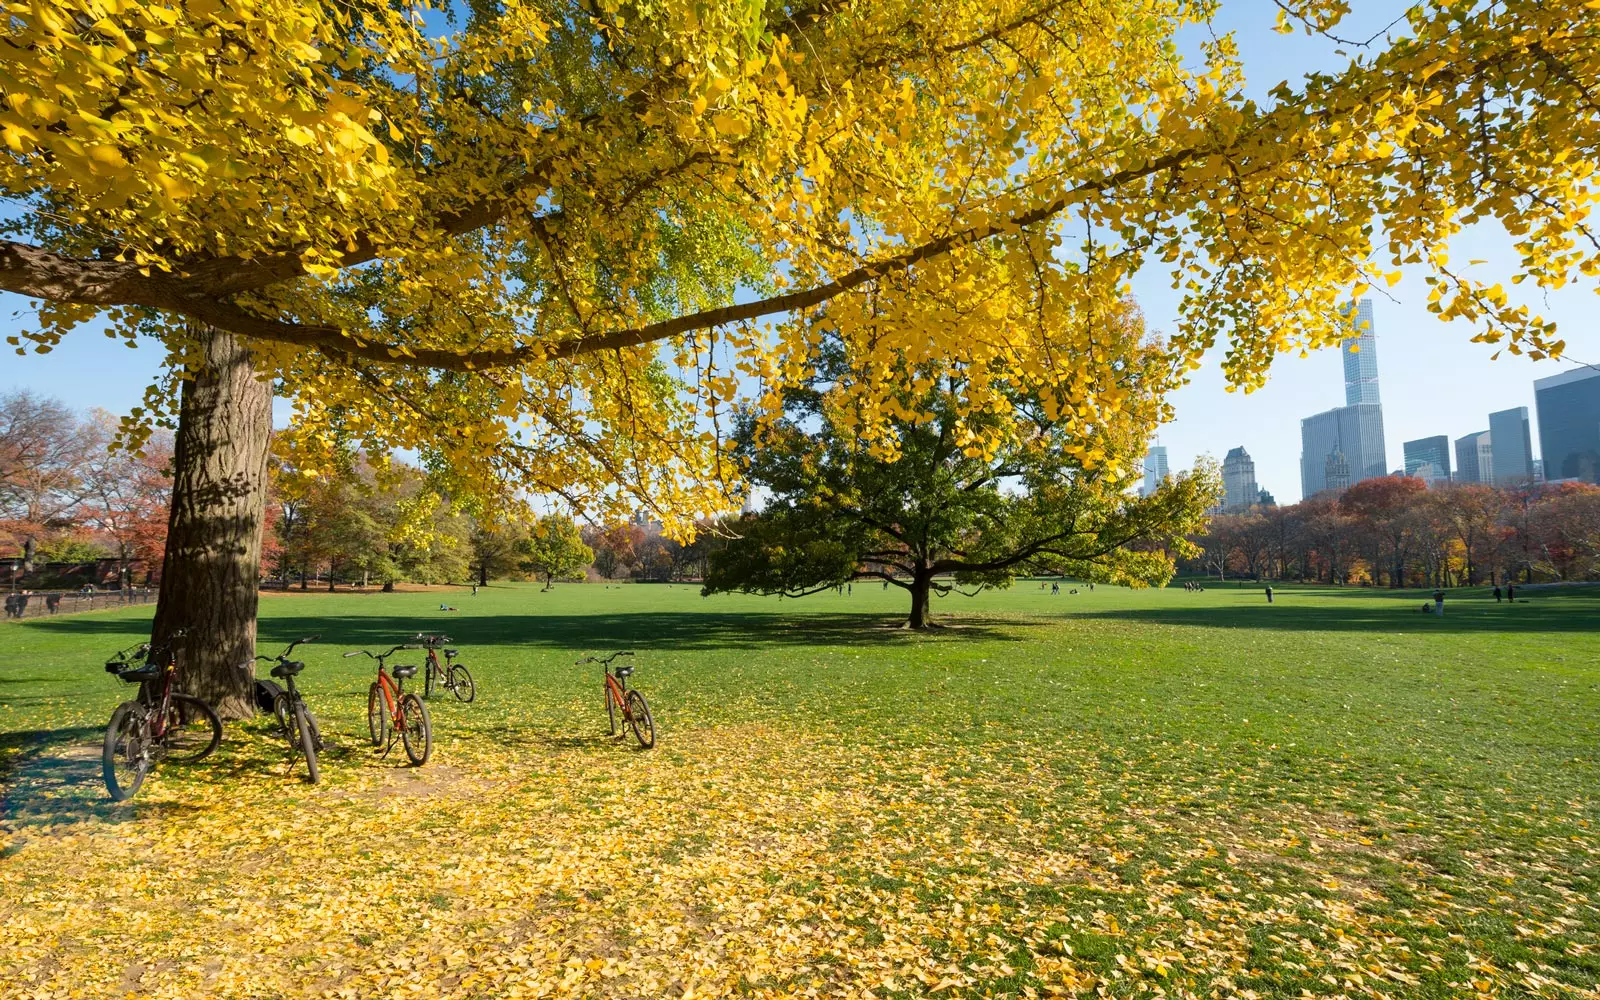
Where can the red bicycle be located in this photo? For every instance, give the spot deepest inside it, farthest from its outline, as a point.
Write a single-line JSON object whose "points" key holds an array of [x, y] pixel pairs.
{"points": [[635, 710], [155, 727], [392, 712], [452, 676]]}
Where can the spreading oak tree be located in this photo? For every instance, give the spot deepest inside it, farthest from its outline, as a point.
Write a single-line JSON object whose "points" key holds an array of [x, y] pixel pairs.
{"points": [[540, 248], [950, 499]]}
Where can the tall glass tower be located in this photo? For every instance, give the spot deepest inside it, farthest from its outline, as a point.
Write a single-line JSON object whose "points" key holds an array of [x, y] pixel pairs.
{"points": [[1361, 357]]}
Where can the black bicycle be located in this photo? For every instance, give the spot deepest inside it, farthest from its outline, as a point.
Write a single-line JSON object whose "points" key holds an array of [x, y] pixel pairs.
{"points": [[450, 675], [161, 724], [295, 721]]}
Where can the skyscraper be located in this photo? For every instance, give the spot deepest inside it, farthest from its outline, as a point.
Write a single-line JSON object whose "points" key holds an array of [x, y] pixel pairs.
{"points": [[1155, 469], [1355, 433], [1470, 467], [1361, 357], [1239, 480], [1569, 424], [1429, 458], [1513, 446]]}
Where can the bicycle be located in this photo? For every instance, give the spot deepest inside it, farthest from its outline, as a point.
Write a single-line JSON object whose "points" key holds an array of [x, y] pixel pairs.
{"points": [[635, 710], [295, 721], [388, 705], [453, 677], [154, 727]]}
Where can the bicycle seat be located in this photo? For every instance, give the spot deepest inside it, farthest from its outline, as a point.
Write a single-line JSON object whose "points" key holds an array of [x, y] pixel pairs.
{"points": [[401, 673], [139, 675], [451, 654], [288, 669], [623, 671]]}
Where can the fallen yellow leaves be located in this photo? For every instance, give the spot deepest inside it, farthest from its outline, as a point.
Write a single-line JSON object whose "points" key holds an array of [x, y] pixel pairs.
{"points": [[736, 861]]}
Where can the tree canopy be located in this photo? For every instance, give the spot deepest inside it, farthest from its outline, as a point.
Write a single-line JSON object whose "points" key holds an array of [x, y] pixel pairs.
{"points": [[477, 243], [944, 498], [553, 548]]}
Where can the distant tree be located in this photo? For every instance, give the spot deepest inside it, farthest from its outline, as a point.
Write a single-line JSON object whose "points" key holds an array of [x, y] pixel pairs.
{"points": [[44, 451], [1381, 510], [616, 548], [493, 548], [1566, 523], [126, 497], [1472, 510], [943, 512], [1330, 533], [553, 548]]}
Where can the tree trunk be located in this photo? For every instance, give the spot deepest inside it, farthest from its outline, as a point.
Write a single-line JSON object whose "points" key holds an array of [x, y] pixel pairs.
{"points": [[921, 588], [209, 575], [483, 573]]}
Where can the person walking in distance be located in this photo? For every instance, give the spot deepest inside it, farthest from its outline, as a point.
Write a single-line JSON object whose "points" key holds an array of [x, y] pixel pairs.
{"points": [[1497, 593], [1438, 603], [1269, 593]]}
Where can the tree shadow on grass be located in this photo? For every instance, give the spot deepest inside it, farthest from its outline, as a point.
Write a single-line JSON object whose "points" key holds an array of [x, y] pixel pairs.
{"points": [[1400, 613], [610, 630], [50, 776]]}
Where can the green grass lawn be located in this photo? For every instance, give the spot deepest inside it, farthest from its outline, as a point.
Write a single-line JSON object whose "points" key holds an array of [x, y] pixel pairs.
{"points": [[1130, 792]]}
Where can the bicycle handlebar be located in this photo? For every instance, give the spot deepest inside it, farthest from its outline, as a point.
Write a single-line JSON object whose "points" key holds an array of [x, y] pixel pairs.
{"points": [[380, 657], [606, 659], [288, 649]]}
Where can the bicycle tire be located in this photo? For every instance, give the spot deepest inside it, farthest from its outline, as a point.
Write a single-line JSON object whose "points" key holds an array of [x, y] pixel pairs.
{"points": [[611, 710], [416, 729], [193, 730], [640, 720], [457, 683], [377, 714], [308, 739], [285, 715], [127, 740]]}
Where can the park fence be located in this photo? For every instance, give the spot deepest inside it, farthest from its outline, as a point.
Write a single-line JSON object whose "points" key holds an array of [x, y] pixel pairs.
{"points": [[44, 603]]}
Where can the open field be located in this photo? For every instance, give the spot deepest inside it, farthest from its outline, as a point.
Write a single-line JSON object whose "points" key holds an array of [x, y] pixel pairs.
{"points": [[1131, 792]]}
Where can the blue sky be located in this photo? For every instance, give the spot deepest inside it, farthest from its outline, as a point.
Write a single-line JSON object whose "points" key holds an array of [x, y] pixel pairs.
{"points": [[1432, 378]]}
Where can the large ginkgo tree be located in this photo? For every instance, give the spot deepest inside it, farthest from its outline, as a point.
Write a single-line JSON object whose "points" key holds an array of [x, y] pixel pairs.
{"points": [[547, 242]]}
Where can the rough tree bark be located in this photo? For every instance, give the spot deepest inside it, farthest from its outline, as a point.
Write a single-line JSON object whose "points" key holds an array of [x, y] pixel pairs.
{"points": [[219, 490]]}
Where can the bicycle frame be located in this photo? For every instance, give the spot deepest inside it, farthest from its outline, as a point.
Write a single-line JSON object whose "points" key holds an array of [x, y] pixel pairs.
{"points": [[617, 689], [391, 697], [159, 706], [390, 687]]}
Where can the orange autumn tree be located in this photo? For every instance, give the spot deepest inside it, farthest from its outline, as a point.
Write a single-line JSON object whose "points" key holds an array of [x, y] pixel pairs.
{"points": [[538, 247]]}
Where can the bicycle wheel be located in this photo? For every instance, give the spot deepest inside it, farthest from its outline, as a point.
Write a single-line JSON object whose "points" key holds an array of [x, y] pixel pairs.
{"points": [[126, 758], [306, 739], [193, 730], [283, 711], [611, 710], [644, 727], [415, 730], [377, 714], [460, 681]]}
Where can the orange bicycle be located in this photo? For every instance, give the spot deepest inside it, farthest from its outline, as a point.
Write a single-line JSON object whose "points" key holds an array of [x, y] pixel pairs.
{"points": [[392, 712], [450, 675], [635, 710]]}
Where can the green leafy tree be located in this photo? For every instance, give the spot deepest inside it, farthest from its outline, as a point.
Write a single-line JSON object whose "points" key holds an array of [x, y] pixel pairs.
{"points": [[554, 549], [940, 514]]}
